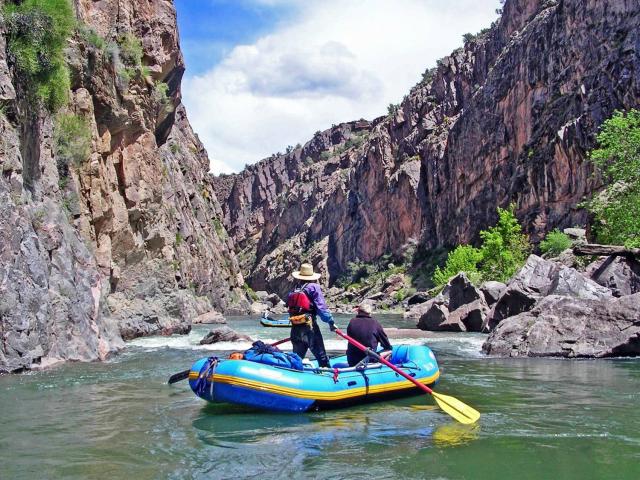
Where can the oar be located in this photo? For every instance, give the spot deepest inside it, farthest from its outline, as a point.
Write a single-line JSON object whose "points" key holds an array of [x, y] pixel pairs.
{"points": [[177, 377], [454, 407]]}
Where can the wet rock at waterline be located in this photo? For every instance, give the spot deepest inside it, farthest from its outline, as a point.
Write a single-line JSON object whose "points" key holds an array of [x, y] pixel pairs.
{"points": [[223, 334], [571, 327], [52, 302]]}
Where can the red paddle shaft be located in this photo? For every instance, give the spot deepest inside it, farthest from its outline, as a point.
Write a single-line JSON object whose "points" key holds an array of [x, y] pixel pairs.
{"points": [[284, 340], [370, 352]]}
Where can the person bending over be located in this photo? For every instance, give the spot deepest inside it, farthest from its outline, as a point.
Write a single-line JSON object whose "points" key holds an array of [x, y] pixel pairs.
{"points": [[368, 331]]}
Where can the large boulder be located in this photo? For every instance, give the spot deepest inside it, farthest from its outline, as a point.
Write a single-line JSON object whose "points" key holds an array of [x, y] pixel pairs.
{"points": [[460, 291], [416, 311], [564, 326], [492, 291], [223, 334], [460, 307], [537, 279], [210, 317], [619, 274], [437, 319], [418, 297], [257, 308]]}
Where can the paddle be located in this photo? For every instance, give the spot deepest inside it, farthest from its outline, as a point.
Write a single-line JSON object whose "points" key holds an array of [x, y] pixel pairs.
{"points": [[454, 407], [177, 377]]}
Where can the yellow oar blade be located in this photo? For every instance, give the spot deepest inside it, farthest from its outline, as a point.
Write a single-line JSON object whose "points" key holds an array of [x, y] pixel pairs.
{"points": [[458, 410]]}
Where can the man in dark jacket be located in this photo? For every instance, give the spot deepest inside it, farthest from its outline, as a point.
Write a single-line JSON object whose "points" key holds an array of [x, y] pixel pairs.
{"points": [[366, 330], [306, 303]]}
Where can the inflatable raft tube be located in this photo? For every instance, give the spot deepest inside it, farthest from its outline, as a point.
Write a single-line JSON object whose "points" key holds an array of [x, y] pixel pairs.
{"points": [[281, 389]]}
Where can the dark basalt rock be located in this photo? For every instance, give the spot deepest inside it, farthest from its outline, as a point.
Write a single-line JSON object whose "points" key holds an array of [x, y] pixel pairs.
{"points": [[563, 326], [537, 279], [460, 307], [619, 274], [223, 334]]}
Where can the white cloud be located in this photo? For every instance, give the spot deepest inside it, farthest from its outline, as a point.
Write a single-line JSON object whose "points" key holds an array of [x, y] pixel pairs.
{"points": [[341, 60]]}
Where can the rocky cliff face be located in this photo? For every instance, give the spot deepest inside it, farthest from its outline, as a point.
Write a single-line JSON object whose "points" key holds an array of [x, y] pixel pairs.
{"points": [[127, 241], [507, 118]]}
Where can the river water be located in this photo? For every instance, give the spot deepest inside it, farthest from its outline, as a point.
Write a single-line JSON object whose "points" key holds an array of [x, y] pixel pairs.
{"points": [[541, 418]]}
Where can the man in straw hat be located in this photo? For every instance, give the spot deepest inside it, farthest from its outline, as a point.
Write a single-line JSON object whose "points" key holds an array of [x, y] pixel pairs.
{"points": [[305, 303], [366, 330]]}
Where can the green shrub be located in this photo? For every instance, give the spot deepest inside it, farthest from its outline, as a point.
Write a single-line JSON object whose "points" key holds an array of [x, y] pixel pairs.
{"points": [[72, 137], [250, 292], [179, 239], [220, 230], [92, 38], [130, 50], [555, 242], [464, 258], [504, 247], [160, 97], [615, 210], [38, 32]]}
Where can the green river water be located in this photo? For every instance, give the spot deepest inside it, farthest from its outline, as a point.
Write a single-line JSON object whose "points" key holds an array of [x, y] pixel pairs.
{"points": [[541, 418]]}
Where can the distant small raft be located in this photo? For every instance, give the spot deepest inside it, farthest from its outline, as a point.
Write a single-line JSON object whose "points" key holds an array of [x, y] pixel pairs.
{"points": [[270, 322], [284, 390]]}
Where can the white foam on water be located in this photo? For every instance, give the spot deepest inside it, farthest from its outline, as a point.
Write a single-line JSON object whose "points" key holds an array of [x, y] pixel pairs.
{"points": [[454, 343]]}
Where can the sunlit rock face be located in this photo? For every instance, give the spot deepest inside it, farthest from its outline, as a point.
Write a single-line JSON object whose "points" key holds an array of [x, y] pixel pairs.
{"points": [[508, 118], [128, 241]]}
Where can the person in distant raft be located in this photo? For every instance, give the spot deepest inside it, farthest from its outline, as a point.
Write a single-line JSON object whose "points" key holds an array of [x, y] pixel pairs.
{"points": [[305, 303], [368, 331]]}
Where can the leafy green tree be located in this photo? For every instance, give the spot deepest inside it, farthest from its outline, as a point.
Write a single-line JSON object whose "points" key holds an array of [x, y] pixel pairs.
{"points": [[504, 247], [555, 242], [617, 209], [464, 258]]}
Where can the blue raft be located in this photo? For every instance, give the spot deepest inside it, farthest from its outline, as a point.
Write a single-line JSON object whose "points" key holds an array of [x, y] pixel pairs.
{"points": [[281, 389], [270, 322]]}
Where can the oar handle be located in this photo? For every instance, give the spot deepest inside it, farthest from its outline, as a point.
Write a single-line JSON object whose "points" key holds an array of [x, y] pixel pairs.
{"points": [[382, 360]]}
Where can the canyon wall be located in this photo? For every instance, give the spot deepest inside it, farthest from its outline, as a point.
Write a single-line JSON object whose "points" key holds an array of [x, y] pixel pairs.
{"points": [[127, 241], [508, 118]]}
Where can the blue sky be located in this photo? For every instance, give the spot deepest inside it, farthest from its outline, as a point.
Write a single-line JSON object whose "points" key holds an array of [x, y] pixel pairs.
{"points": [[210, 29], [264, 74]]}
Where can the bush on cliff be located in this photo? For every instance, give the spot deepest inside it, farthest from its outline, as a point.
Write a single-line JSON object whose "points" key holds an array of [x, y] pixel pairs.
{"points": [[615, 210], [38, 31], [72, 137], [554, 243]]}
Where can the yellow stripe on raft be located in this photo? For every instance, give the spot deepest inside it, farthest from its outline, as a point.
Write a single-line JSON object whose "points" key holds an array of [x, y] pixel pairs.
{"points": [[316, 395]]}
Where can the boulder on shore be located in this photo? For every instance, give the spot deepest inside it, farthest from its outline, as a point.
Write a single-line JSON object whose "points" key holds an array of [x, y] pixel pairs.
{"points": [[209, 317], [223, 334], [562, 326], [460, 307], [619, 274], [537, 279]]}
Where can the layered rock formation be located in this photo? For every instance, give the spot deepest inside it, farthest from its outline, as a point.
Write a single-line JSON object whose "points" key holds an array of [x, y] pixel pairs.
{"points": [[507, 118], [127, 241]]}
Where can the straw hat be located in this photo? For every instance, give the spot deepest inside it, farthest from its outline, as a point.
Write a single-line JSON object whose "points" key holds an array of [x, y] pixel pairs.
{"points": [[306, 273], [365, 307]]}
